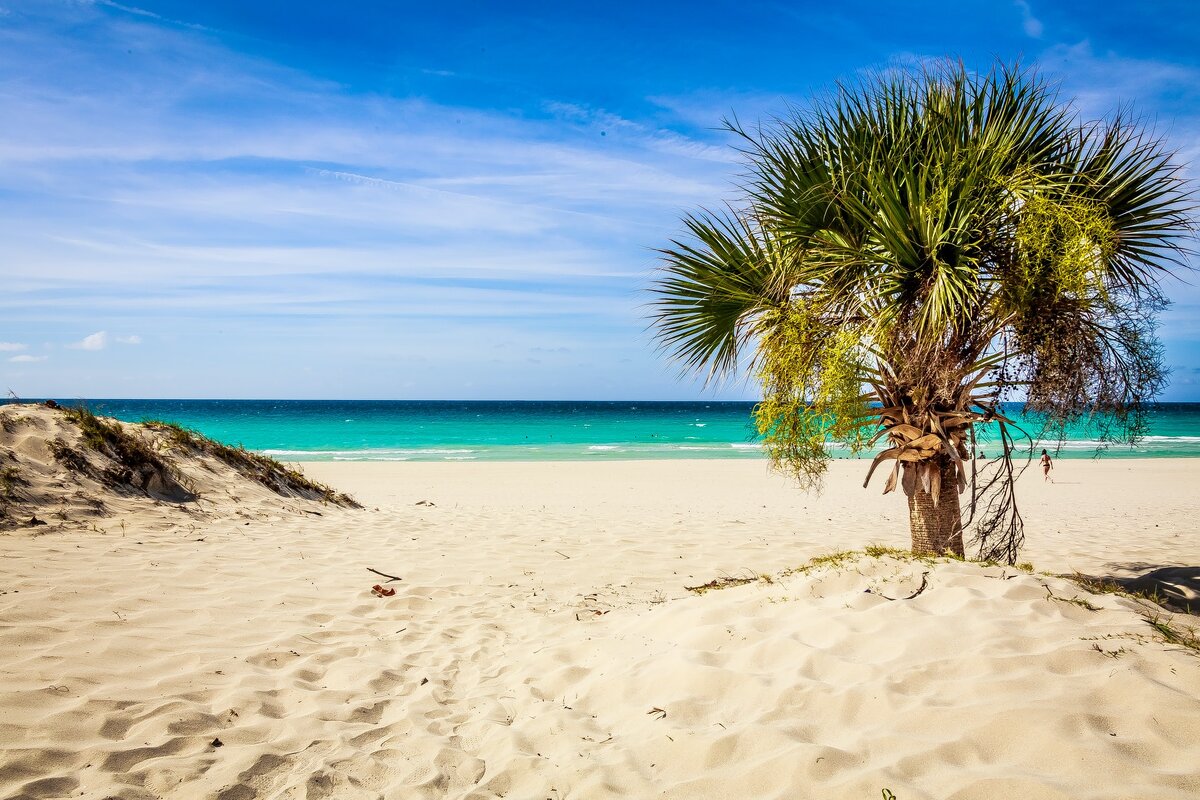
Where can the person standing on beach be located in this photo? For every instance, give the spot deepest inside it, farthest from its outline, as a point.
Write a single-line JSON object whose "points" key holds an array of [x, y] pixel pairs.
{"points": [[1047, 465]]}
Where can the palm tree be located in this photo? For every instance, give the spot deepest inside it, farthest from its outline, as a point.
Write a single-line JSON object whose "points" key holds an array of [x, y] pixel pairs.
{"points": [[915, 249]]}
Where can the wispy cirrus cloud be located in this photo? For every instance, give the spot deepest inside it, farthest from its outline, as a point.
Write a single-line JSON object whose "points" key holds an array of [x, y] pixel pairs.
{"points": [[225, 193], [1101, 81], [27, 359], [606, 123], [185, 181], [8, 347]]}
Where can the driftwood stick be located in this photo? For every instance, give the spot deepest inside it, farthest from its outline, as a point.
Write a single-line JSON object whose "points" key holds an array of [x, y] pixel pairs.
{"points": [[924, 583], [384, 574]]}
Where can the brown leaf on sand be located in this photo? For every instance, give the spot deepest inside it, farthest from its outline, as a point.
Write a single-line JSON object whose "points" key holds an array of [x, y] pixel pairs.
{"points": [[379, 591], [660, 713]]}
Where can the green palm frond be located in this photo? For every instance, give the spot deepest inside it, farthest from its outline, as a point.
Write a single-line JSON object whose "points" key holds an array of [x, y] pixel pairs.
{"points": [[713, 286]]}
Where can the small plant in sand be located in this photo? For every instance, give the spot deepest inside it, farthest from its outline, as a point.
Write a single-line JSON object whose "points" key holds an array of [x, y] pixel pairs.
{"points": [[1110, 586], [1172, 632], [913, 251], [274, 475], [1075, 601], [1113, 654], [10, 479]]}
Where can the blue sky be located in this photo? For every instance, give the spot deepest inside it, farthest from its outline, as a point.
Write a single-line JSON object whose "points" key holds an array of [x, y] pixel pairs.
{"points": [[391, 200]]}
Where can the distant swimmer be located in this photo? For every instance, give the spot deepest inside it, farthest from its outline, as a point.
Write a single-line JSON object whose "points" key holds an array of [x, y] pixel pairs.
{"points": [[1047, 465]]}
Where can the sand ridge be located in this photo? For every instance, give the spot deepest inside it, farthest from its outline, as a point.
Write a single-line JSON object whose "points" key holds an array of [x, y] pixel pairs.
{"points": [[541, 621]]}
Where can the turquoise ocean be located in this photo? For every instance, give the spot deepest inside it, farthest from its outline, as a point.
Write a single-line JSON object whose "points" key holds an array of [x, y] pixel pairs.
{"points": [[368, 430]]}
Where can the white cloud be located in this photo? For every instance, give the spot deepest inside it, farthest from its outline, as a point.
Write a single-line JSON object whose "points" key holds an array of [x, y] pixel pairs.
{"points": [[1033, 26], [8, 347], [27, 359], [134, 339], [96, 341]]}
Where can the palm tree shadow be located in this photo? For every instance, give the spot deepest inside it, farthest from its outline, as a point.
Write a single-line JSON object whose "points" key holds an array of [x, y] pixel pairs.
{"points": [[1175, 587]]}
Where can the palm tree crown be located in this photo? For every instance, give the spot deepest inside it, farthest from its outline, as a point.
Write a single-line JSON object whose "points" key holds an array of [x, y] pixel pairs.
{"points": [[914, 248]]}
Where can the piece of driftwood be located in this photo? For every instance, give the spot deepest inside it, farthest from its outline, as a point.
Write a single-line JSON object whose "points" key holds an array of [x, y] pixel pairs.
{"points": [[921, 588], [384, 574]]}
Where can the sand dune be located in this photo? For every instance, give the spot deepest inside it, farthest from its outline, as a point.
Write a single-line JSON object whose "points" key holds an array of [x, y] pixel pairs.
{"points": [[73, 468], [541, 643]]}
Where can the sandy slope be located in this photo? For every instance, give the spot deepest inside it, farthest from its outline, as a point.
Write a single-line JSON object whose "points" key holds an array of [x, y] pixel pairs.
{"points": [[542, 618]]}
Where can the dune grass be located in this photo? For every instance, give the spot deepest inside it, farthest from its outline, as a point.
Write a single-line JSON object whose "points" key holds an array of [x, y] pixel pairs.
{"points": [[69, 457], [136, 459], [1109, 586], [10, 481], [274, 475]]}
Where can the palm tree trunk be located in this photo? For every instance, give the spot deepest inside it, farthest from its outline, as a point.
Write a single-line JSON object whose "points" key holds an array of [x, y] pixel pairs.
{"points": [[936, 530]]}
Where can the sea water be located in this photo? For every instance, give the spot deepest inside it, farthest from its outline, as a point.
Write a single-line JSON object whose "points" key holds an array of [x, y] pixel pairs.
{"points": [[384, 430]]}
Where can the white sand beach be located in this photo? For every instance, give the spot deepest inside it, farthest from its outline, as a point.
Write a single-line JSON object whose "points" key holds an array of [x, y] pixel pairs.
{"points": [[463, 232], [541, 642]]}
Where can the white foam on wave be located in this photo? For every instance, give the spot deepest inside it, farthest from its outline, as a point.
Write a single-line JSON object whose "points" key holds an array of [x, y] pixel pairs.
{"points": [[363, 454], [372, 458]]}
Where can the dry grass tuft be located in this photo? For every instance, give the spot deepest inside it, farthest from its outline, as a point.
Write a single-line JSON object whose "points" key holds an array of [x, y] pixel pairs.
{"points": [[723, 583], [10, 481], [137, 465], [836, 559]]}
